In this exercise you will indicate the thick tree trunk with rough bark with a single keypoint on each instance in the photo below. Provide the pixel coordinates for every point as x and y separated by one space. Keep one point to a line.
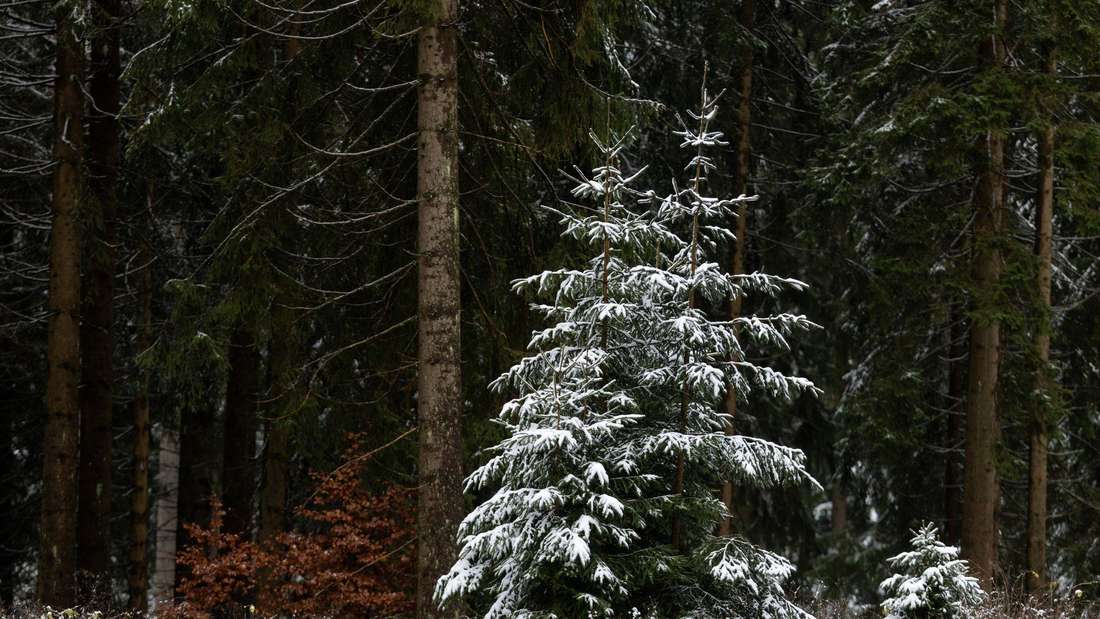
1038 433
57 525
97 330
239 436
439 382
138 574
981 493
741 183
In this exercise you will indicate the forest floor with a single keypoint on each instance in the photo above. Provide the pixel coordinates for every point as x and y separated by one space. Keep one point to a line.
997 606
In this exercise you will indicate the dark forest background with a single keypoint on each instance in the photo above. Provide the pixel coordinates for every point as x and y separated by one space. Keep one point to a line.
210 209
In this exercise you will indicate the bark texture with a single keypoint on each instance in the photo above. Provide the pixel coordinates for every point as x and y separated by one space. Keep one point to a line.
741 182
439 380
96 331
57 524
1038 433
239 447
982 489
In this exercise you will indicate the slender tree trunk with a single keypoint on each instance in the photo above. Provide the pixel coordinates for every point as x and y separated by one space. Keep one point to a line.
953 431
138 575
238 469
1037 454
168 478
97 331
741 183
439 378
57 526
982 492
681 460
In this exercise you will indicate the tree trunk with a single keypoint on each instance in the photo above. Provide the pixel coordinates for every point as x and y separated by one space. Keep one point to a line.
280 408
198 472
956 413
981 492
276 473
741 183
238 469
280 405
168 479
57 526
282 401
1037 454
138 576
96 330
439 383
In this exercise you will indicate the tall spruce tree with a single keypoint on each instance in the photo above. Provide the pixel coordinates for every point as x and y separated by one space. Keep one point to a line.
58 522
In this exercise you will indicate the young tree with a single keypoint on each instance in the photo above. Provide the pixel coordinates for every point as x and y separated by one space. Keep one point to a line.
604 502
554 535
692 363
933 583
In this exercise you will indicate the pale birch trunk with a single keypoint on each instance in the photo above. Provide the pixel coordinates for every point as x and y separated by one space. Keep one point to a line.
168 476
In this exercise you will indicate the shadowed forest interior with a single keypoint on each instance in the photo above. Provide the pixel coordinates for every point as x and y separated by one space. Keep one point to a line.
550 308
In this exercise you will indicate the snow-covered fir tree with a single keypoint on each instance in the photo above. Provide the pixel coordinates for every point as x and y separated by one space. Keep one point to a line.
686 364
604 502
553 538
932 583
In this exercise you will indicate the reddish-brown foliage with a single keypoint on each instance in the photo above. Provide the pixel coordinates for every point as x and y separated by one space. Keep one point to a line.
352 558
